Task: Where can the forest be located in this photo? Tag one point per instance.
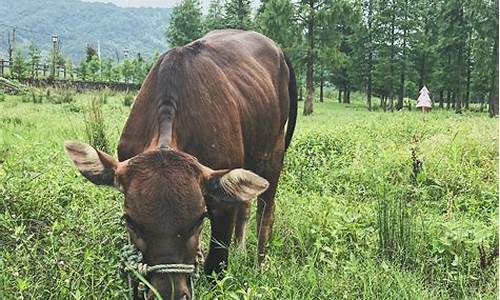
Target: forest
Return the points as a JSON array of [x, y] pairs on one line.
[[387, 49]]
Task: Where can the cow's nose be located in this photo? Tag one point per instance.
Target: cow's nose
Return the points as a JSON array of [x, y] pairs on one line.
[[185, 297]]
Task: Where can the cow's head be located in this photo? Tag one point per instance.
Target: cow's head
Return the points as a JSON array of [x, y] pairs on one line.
[[165, 192]]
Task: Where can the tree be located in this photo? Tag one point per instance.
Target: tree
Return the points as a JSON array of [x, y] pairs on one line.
[[185, 23], [35, 56], [127, 70], [82, 70], [237, 14], [277, 20], [308, 11], [337, 51], [69, 68], [107, 69], [368, 19], [19, 67], [215, 16], [93, 67], [90, 53]]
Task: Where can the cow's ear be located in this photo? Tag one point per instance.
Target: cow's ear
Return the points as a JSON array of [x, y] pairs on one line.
[[95, 165], [234, 185]]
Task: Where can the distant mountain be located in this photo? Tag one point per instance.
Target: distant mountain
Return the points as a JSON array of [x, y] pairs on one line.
[[78, 23]]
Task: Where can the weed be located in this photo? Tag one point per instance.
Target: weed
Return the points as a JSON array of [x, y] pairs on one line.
[[95, 128], [128, 99]]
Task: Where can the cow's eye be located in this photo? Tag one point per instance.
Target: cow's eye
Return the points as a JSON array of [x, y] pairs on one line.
[[129, 222]]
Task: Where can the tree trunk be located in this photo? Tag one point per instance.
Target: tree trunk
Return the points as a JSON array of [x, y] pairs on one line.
[[321, 83], [347, 94], [493, 99], [469, 70], [391, 68], [384, 103], [448, 99], [370, 57], [340, 95], [403, 66], [308, 105], [459, 95]]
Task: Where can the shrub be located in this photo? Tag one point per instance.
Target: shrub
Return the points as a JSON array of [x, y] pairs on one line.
[[66, 96], [35, 97], [95, 129], [72, 107], [63, 96], [128, 100]]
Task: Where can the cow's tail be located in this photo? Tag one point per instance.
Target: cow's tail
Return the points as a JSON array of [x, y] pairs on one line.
[[292, 115]]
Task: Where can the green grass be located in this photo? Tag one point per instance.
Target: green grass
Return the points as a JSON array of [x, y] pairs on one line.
[[352, 219]]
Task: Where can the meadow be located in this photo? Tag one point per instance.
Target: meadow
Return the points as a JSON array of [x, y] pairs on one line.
[[371, 205]]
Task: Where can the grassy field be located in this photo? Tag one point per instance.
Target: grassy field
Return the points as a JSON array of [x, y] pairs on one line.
[[370, 206]]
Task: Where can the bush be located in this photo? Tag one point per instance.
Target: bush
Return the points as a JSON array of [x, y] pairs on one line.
[[95, 129], [2, 96], [62, 96], [128, 100], [72, 107], [35, 97]]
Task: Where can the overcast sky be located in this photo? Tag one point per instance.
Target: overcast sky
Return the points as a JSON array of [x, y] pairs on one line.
[[138, 3], [155, 3]]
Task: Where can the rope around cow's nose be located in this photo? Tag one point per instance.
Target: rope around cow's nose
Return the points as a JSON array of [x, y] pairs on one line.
[[132, 262], [132, 259]]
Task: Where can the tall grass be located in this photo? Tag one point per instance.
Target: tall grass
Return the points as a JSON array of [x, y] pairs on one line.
[[352, 220], [95, 127], [396, 222]]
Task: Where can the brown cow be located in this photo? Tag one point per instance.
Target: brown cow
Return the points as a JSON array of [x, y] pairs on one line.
[[219, 103]]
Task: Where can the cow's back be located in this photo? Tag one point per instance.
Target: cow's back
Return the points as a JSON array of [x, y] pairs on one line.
[[229, 91]]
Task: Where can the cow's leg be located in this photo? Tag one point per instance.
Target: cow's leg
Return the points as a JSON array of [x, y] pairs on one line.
[[222, 223], [240, 229], [265, 206]]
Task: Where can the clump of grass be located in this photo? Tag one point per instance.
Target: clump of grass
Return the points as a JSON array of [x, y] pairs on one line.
[[128, 99], [72, 107], [396, 230], [61, 97], [2, 96], [36, 98], [26, 98], [95, 128]]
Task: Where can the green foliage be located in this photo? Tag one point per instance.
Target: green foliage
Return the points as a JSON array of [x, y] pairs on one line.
[[276, 21], [325, 242], [396, 229], [128, 99], [2, 96], [215, 16], [95, 128], [36, 98], [185, 24], [94, 68], [237, 14], [35, 56], [19, 66]]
